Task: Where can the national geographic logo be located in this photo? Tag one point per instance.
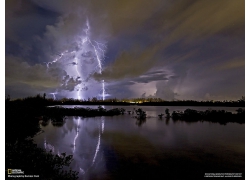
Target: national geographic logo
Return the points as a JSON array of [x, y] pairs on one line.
[[18, 173], [15, 171]]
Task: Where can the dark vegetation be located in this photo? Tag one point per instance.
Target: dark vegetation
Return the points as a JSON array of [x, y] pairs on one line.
[[22, 124], [141, 116], [58, 112], [238, 103], [25, 155], [135, 101], [22, 119], [190, 115], [220, 116]]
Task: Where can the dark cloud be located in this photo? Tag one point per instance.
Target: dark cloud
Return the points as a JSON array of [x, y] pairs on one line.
[[194, 47], [232, 64], [36, 77], [19, 71], [119, 90], [184, 22], [199, 19], [129, 64], [151, 76]]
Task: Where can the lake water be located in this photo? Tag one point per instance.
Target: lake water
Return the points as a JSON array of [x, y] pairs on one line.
[[120, 147]]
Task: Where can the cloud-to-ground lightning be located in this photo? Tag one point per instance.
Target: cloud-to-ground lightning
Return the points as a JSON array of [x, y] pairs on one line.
[[54, 95], [98, 50], [103, 90], [99, 59], [74, 58], [78, 92]]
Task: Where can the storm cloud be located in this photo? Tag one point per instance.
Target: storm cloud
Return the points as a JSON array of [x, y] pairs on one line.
[[197, 46]]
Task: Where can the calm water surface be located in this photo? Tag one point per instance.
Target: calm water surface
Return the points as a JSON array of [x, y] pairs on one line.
[[120, 147]]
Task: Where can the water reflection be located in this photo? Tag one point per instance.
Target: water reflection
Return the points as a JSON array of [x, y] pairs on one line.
[[77, 132], [81, 138], [167, 121], [139, 122], [86, 151], [97, 147], [123, 147]]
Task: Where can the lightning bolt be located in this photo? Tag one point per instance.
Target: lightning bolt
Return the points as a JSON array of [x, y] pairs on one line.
[[99, 53], [101, 130], [77, 131], [97, 148], [78, 92], [60, 56], [98, 57], [54, 95], [103, 123], [103, 90]]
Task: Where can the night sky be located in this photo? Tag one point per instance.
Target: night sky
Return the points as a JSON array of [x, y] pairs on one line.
[[170, 49]]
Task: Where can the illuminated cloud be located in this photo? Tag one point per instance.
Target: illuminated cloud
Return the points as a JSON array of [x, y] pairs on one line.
[[129, 64], [198, 44], [37, 77], [18, 71]]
